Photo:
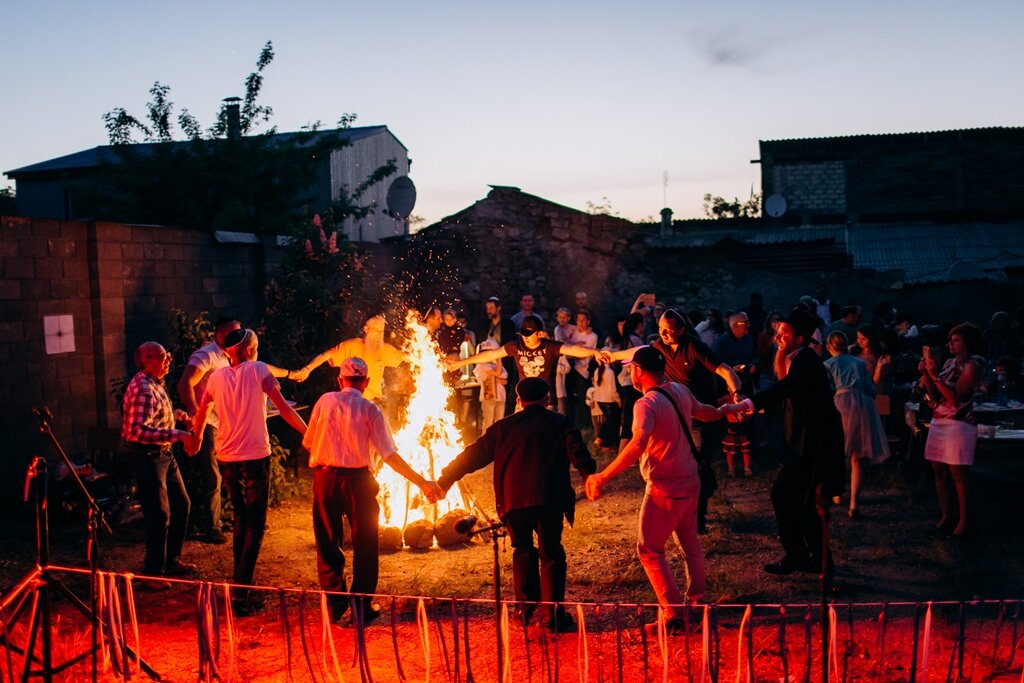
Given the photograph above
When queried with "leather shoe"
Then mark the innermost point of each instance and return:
(523, 615)
(563, 623)
(788, 566)
(246, 607)
(176, 567)
(154, 584)
(370, 615)
(214, 538)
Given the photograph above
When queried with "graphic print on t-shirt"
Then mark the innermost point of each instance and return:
(532, 362)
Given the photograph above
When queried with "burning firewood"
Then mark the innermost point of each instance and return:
(389, 538)
(419, 534)
(445, 531)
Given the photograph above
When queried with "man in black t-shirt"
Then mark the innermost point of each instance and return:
(533, 355)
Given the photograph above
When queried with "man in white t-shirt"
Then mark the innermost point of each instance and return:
(669, 466)
(203, 362)
(243, 448)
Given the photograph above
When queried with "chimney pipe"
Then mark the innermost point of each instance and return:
(666, 222)
(234, 118)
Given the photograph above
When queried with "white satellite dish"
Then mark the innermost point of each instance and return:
(775, 205)
(401, 197)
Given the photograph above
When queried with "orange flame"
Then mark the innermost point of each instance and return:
(429, 438)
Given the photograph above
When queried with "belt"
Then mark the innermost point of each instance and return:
(146, 447)
(343, 470)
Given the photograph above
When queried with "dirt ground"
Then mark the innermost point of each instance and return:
(888, 555)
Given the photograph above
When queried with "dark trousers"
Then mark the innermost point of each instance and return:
(699, 432)
(210, 481)
(629, 397)
(547, 584)
(165, 504)
(798, 520)
(248, 484)
(609, 433)
(349, 492)
(576, 386)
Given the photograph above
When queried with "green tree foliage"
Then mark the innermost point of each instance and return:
(256, 182)
(719, 207)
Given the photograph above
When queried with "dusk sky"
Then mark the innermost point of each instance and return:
(572, 101)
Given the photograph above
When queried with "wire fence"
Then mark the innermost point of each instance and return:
(472, 640)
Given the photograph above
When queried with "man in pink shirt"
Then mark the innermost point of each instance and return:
(345, 430)
(662, 420)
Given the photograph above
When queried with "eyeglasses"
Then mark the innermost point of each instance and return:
(528, 333)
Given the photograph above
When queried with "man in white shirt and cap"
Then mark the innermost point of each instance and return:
(345, 430)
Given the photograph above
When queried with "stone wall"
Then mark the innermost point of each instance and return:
(511, 243)
(118, 283)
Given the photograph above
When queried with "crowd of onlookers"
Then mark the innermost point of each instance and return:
(876, 359)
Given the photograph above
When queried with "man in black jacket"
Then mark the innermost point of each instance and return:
(813, 465)
(531, 451)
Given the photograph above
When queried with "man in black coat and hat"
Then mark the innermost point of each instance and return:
(813, 457)
(532, 451)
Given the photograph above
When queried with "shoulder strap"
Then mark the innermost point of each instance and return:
(682, 422)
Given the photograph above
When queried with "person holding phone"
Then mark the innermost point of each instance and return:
(953, 433)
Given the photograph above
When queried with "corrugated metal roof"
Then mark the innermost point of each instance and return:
(856, 136)
(939, 253)
(695, 239)
(89, 158)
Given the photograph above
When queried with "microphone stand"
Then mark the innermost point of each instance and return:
(40, 583)
(496, 530)
(95, 522)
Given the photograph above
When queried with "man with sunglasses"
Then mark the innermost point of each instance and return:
(534, 354)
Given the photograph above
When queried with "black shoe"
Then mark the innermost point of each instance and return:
(337, 610)
(214, 538)
(563, 623)
(523, 615)
(154, 584)
(176, 567)
(814, 567)
(246, 607)
(788, 566)
(370, 615)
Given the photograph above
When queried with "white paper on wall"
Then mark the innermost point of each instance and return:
(59, 333)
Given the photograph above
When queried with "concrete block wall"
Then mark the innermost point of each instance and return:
(817, 187)
(119, 283)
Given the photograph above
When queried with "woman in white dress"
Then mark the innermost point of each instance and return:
(953, 433)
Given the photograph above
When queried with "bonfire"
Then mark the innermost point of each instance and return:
(428, 439)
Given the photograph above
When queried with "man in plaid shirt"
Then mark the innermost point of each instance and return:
(147, 432)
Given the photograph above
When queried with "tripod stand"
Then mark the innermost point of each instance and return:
(35, 591)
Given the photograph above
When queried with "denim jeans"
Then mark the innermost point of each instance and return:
(165, 504)
(210, 480)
